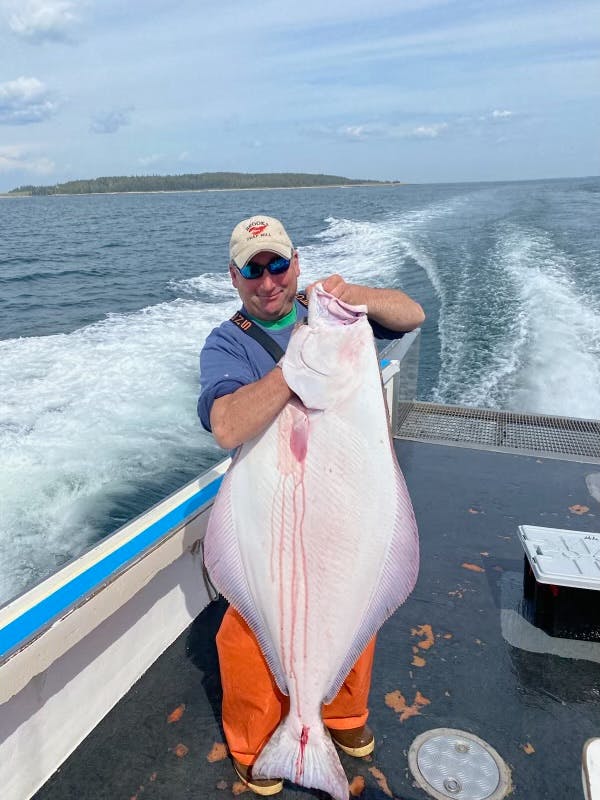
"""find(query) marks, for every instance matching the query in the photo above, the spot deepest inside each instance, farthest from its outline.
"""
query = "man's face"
(269, 297)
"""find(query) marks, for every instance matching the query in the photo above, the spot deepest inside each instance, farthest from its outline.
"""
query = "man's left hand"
(391, 308)
(334, 284)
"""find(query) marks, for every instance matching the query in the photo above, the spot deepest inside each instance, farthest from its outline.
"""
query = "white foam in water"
(544, 356)
(89, 415)
(483, 331)
(559, 369)
(414, 230)
(215, 287)
(374, 253)
(358, 250)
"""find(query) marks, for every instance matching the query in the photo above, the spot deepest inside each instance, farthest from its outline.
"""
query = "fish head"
(325, 308)
(322, 364)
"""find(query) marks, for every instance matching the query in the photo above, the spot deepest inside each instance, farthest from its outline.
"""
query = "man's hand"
(334, 284)
(389, 307)
(240, 416)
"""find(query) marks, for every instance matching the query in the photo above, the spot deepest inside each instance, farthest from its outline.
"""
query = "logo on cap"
(255, 230)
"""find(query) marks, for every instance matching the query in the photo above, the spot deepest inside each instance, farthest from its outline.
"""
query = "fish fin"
(223, 560)
(397, 578)
(305, 756)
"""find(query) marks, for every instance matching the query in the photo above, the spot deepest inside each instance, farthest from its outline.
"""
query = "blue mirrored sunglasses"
(276, 267)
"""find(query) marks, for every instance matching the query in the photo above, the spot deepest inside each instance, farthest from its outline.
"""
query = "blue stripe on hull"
(50, 607)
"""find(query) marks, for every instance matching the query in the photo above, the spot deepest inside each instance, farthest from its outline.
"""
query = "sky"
(422, 91)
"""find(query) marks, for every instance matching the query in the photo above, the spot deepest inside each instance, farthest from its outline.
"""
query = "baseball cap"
(258, 233)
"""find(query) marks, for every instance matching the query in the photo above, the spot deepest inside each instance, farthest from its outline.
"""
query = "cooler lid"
(562, 557)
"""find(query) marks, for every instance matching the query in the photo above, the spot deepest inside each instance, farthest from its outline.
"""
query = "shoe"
(262, 786)
(355, 742)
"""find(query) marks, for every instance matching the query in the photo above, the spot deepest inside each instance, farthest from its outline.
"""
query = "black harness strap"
(257, 333)
(261, 336)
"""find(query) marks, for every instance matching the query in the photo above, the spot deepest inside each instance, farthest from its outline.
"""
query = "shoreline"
(195, 191)
(383, 184)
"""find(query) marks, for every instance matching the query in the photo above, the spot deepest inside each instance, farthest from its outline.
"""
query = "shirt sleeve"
(224, 368)
(380, 332)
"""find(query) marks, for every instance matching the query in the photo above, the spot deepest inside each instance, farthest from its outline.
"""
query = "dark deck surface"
(458, 654)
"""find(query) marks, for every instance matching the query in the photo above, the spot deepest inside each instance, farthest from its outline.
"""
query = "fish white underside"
(312, 539)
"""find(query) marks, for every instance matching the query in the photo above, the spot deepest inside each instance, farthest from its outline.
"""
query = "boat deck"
(460, 654)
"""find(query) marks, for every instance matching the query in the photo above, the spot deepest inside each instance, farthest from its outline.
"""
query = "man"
(242, 391)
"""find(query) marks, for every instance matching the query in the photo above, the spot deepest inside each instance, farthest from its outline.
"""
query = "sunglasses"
(251, 270)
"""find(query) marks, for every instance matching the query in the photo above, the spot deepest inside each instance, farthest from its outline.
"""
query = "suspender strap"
(260, 335)
(257, 333)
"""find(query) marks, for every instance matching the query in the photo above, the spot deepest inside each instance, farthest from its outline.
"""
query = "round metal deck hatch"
(448, 763)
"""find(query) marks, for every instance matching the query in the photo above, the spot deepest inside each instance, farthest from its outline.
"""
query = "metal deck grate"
(558, 437)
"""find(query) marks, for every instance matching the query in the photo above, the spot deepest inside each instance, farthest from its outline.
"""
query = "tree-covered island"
(195, 182)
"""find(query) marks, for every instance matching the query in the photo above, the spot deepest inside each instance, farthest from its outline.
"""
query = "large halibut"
(312, 536)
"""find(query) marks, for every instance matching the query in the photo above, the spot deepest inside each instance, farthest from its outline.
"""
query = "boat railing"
(400, 369)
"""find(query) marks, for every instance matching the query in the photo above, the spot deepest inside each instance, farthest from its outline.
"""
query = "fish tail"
(304, 755)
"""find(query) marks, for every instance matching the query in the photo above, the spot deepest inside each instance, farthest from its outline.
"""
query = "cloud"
(358, 132)
(490, 118)
(365, 131)
(25, 100)
(429, 131)
(42, 20)
(463, 126)
(110, 121)
(15, 157)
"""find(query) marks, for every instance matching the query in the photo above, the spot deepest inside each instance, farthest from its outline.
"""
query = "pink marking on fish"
(282, 622)
(299, 439)
(300, 761)
(287, 520)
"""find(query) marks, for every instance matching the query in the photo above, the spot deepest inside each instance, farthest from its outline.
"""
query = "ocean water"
(105, 302)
